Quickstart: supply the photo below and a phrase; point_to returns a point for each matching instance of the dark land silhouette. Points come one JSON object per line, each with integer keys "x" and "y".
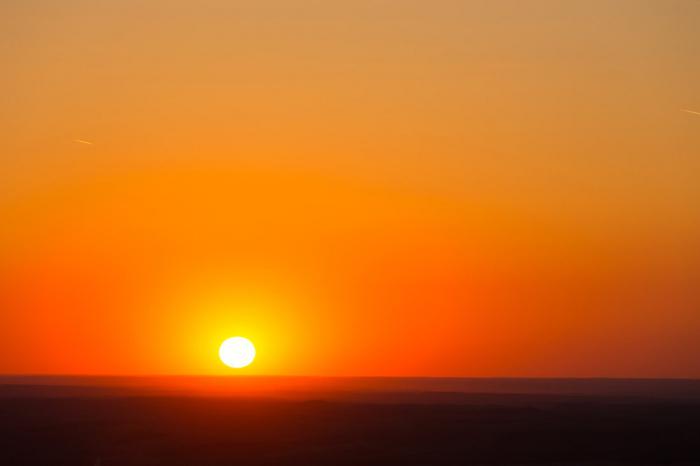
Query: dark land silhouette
{"x": 313, "y": 421}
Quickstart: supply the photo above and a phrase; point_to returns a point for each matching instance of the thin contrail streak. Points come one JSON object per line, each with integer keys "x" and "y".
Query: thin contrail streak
{"x": 690, "y": 111}
{"x": 82, "y": 141}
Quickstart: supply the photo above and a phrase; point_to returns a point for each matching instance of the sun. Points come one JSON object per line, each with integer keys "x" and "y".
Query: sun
{"x": 237, "y": 352}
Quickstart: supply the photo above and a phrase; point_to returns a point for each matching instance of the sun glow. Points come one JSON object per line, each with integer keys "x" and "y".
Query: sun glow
{"x": 237, "y": 352}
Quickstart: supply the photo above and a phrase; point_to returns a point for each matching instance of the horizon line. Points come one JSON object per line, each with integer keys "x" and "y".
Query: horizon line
{"x": 249, "y": 376}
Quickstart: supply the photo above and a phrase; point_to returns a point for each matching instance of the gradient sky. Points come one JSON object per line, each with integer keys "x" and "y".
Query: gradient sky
{"x": 466, "y": 188}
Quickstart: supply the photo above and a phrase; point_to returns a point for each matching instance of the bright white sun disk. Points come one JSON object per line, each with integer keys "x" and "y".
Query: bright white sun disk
{"x": 237, "y": 352}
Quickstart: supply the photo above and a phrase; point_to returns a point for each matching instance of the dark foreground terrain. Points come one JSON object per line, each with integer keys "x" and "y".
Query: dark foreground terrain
{"x": 87, "y": 425}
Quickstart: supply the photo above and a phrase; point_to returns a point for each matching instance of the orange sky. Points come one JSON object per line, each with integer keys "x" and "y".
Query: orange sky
{"x": 462, "y": 188}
